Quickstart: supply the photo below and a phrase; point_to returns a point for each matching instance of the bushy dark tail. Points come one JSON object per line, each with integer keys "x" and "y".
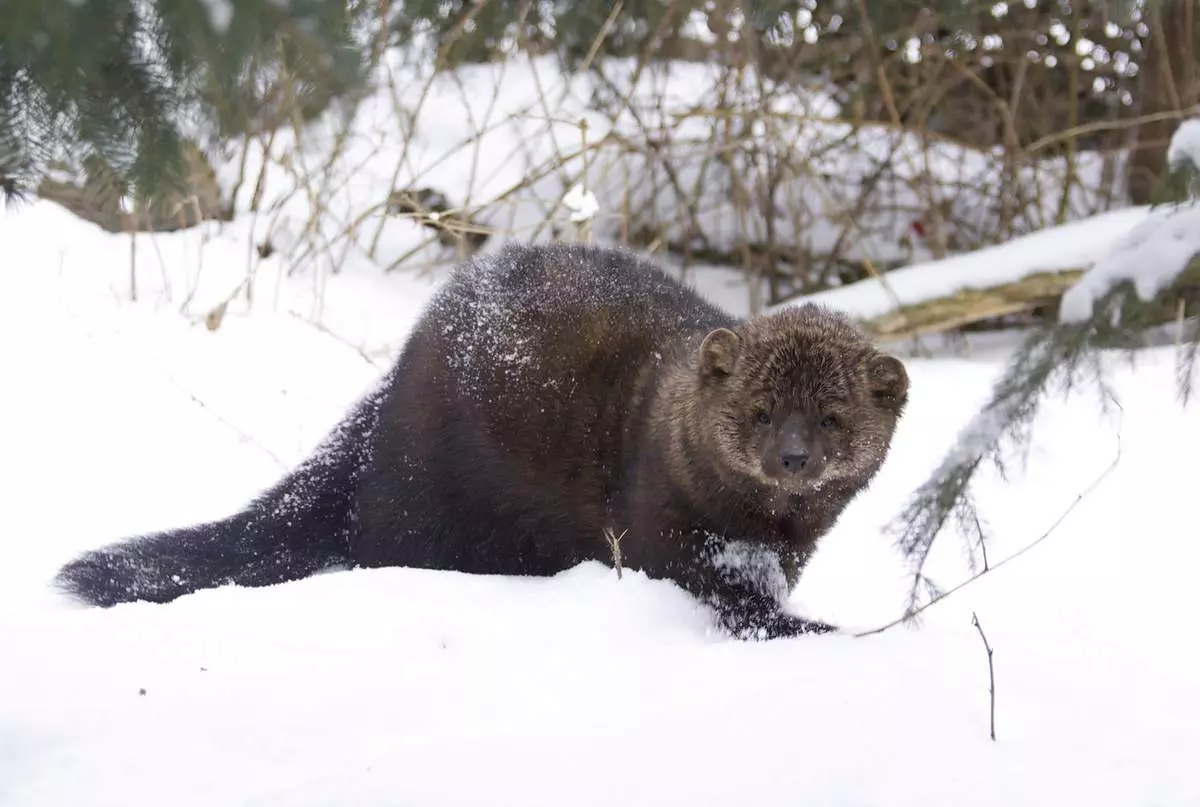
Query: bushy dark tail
{"x": 304, "y": 524}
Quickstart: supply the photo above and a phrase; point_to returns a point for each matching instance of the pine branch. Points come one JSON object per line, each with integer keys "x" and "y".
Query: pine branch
{"x": 1053, "y": 360}
{"x": 127, "y": 83}
{"x": 937, "y": 596}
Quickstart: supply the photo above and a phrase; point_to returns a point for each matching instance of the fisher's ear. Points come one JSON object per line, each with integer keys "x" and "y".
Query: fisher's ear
{"x": 718, "y": 353}
{"x": 888, "y": 381}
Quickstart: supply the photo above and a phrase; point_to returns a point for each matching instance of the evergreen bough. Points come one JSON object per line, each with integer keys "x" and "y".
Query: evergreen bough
{"x": 1059, "y": 357}
{"x": 118, "y": 85}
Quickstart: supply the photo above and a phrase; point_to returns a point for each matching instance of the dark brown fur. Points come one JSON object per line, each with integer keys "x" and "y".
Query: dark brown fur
{"x": 549, "y": 394}
{"x": 824, "y": 391}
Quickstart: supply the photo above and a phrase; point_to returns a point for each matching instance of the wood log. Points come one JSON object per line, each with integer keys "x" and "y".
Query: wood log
{"x": 970, "y": 305}
{"x": 1037, "y": 293}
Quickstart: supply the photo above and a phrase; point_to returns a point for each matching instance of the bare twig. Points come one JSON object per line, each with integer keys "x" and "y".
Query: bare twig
{"x": 133, "y": 265}
{"x": 991, "y": 675}
{"x": 1100, "y": 126}
{"x": 598, "y": 40}
{"x": 746, "y": 175}
{"x": 136, "y": 350}
{"x": 325, "y": 330}
{"x": 614, "y": 543}
{"x": 455, "y": 33}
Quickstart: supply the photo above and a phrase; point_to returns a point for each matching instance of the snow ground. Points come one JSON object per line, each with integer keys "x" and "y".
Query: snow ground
{"x": 409, "y": 687}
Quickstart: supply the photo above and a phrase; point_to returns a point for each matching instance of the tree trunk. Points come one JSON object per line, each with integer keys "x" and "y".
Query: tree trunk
{"x": 1170, "y": 83}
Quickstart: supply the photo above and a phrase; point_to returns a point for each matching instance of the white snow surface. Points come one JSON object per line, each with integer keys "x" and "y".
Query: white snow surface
{"x": 410, "y": 687}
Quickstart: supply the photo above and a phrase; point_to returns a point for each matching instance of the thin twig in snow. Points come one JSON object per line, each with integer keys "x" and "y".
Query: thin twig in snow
{"x": 614, "y": 543}
{"x": 325, "y": 330}
{"x": 991, "y": 675}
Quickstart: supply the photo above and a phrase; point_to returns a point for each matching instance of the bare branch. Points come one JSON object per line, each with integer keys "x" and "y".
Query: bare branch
{"x": 991, "y": 676}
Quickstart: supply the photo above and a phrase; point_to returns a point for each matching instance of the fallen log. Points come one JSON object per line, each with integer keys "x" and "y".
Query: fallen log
{"x": 968, "y": 306}
{"x": 1036, "y": 295}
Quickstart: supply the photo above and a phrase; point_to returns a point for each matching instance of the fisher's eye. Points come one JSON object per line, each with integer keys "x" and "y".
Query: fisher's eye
{"x": 764, "y": 418}
{"x": 829, "y": 422}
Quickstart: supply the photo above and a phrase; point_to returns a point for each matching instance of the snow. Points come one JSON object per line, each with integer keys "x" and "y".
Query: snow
{"x": 1185, "y": 144}
{"x": 408, "y": 686}
{"x": 582, "y": 203}
{"x": 515, "y": 144}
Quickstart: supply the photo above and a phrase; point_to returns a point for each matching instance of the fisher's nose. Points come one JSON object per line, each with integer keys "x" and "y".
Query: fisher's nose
{"x": 793, "y": 461}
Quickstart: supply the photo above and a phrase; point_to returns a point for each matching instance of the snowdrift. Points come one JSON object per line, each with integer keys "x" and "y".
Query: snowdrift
{"x": 403, "y": 687}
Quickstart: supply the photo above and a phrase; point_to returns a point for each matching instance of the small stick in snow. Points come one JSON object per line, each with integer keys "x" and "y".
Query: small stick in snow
{"x": 325, "y": 330}
{"x": 991, "y": 673}
{"x": 133, "y": 265}
{"x": 614, "y": 543}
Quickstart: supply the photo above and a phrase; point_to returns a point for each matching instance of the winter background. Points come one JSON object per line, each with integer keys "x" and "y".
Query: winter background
{"x": 145, "y": 390}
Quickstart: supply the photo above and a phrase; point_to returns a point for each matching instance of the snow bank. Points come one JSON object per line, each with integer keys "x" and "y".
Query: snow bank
{"x": 404, "y": 686}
